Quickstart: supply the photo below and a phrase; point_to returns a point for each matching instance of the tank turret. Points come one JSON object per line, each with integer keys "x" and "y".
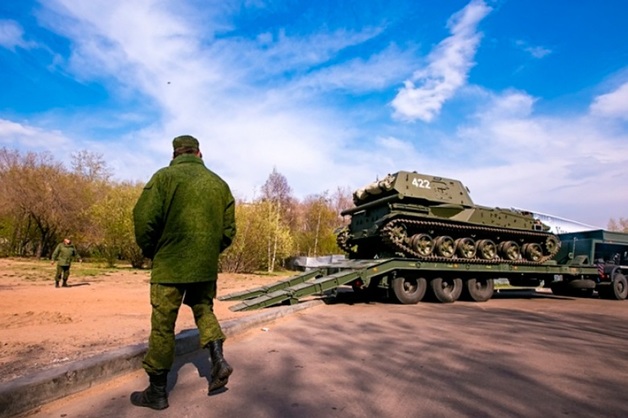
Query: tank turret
{"x": 416, "y": 215}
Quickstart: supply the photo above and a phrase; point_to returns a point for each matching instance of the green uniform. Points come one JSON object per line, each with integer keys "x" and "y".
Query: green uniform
{"x": 184, "y": 219}
{"x": 64, "y": 254}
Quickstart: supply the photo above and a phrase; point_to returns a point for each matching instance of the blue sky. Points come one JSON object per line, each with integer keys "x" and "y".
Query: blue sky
{"x": 526, "y": 102}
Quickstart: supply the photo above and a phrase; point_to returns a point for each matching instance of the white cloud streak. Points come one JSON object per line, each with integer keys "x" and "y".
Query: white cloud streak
{"x": 613, "y": 104}
{"x": 423, "y": 96}
{"x": 12, "y": 36}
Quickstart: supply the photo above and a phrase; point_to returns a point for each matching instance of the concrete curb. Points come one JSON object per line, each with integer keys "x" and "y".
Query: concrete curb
{"x": 28, "y": 392}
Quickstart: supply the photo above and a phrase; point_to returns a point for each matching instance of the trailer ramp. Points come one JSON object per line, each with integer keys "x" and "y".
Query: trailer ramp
{"x": 309, "y": 283}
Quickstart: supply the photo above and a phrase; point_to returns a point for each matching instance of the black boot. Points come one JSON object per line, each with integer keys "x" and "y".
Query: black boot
{"x": 56, "y": 284}
{"x": 65, "y": 283}
{"x": 154, "y": 396}
{"x": 221, "y": 370}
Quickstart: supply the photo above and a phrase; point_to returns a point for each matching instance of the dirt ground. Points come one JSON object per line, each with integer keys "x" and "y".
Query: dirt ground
{"x": 102, "y": 309}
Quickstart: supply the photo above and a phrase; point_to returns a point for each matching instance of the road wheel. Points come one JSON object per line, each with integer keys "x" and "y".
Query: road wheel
{"x": 409, "y": 290}
{"x": 422, "y": 244}
{"x": 478, "y": 290}
{"x": 465, "y": 247}
{"x": 510, "y": 250}
{"x": 532, "y": 251}
{"x": 446, "y": 290}
{"x": 486, "y": 249}
{"x": 445, "y": 246}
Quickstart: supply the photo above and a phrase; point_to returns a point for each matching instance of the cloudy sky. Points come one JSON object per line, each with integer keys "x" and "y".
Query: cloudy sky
{"x": 526, "y": 102}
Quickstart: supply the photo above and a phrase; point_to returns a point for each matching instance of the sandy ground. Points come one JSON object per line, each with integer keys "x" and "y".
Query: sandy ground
{"x": 102, "y": 309}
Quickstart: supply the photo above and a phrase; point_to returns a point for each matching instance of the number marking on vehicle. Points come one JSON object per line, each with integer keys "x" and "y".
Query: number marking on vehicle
{"x": 421, "y": 183}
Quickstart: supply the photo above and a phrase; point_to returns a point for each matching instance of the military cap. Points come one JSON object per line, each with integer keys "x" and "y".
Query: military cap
{"x": 185, "y": 141}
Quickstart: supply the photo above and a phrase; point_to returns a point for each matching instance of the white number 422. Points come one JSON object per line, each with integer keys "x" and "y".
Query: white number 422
{"x": 421, "y": 183}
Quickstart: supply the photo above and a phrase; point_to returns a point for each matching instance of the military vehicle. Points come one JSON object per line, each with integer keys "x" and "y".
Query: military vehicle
{"x": 408, "y": 214}
{"x": 412, "y": 235}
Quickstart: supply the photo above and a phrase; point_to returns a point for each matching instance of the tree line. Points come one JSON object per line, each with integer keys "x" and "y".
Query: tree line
{"x": 42, "y": 201}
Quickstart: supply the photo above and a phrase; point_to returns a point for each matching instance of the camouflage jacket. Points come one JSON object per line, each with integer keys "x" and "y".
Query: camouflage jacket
{"x": 64, "y": 254}
{"x": 184, "y": 219}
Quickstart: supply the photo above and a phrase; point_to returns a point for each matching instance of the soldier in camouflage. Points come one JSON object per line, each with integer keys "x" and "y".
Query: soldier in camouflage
{"x": 64, "y": 254}
{"x": 184, "y": 218}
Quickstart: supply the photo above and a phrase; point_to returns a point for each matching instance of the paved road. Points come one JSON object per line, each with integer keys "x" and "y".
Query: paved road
{"x": 517, "y": 355}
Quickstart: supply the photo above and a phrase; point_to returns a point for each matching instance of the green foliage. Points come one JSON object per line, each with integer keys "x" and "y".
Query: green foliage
{"x": 111, "y": 231}
{"x": 41, "y": 202}
{"x": 259, "y": 233}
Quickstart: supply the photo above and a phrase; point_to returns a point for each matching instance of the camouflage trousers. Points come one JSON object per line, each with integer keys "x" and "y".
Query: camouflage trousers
{"x": 63, "y": 272}
{"x": 166, "y": 299}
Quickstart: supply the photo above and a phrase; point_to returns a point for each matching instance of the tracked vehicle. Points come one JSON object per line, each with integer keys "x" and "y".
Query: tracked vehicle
{"x": 413, "y": 236}
{"x": 431, "y": 218}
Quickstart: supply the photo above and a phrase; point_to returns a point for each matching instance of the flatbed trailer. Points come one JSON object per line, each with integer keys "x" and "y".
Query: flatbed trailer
{"x": 587, "y": 261}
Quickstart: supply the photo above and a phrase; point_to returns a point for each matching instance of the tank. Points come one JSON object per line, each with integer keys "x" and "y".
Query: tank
{"x": 431, "y": 218}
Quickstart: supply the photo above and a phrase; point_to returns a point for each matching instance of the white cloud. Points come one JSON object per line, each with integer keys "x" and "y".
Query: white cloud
{"x": 562, "y": 165}
{"x": 12, "y": 35}
{"x": 377, "y": 72}
{"x": 19, "y": 136}
{"x": 423, "y": 96}
{"x": 536, "y": 51}
{"x": 613, "y": 104}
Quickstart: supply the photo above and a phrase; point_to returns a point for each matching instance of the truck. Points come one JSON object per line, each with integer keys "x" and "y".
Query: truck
{"x": 412, "y": 236}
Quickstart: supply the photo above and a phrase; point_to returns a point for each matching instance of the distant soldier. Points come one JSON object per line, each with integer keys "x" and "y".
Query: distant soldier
{"x": 64, "y": 254}
{"x": 184, "y": 218}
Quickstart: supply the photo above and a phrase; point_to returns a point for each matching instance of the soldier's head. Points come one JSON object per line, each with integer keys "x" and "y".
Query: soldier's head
{"x": 185, "y": 144}
{"x": 67, "y": 241}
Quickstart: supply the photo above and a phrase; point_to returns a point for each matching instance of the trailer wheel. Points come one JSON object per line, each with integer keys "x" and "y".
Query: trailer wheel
{"x": 446, "y": 290}
{"x": 559, "y": 289}
{"x": 478, "y": 290}
{"x": 409, "y": 290}
{"x": 617, "y": 290}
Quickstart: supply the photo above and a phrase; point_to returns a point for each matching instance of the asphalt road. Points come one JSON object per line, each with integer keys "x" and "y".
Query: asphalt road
{"x": 517, "y": 355}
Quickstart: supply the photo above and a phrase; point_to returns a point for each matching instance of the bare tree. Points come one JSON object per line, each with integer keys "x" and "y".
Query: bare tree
{"x": 278, "y": 197}
{"x": 43, "y": 199}
{"x": 619, "y": 225}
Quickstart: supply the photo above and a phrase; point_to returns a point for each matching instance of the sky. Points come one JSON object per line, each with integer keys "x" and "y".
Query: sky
{"x": 524, "y": 101}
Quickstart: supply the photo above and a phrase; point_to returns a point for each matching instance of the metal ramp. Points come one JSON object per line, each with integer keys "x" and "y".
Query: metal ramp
{"x": 309, "y": 283}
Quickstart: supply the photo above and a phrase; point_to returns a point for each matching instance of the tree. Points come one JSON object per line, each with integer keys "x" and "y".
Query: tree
{"x": 620, "y": 225}
{"x": 249, "y": 250}
{"x": 318, "y": 222}
{"x": 43, "y": 202}
{"x": 277, "y": 204}
{"x": 43, "y": 199}
{"x": 111, "y": 231}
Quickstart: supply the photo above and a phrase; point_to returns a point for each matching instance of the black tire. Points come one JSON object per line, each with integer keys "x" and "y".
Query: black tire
{"x": 478, "y": 290}
{"x": 409, "y": 290}
{"x": 559, "y": 289}
{"x": 617, "y": 290}
{"x": 446, "y": 290}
